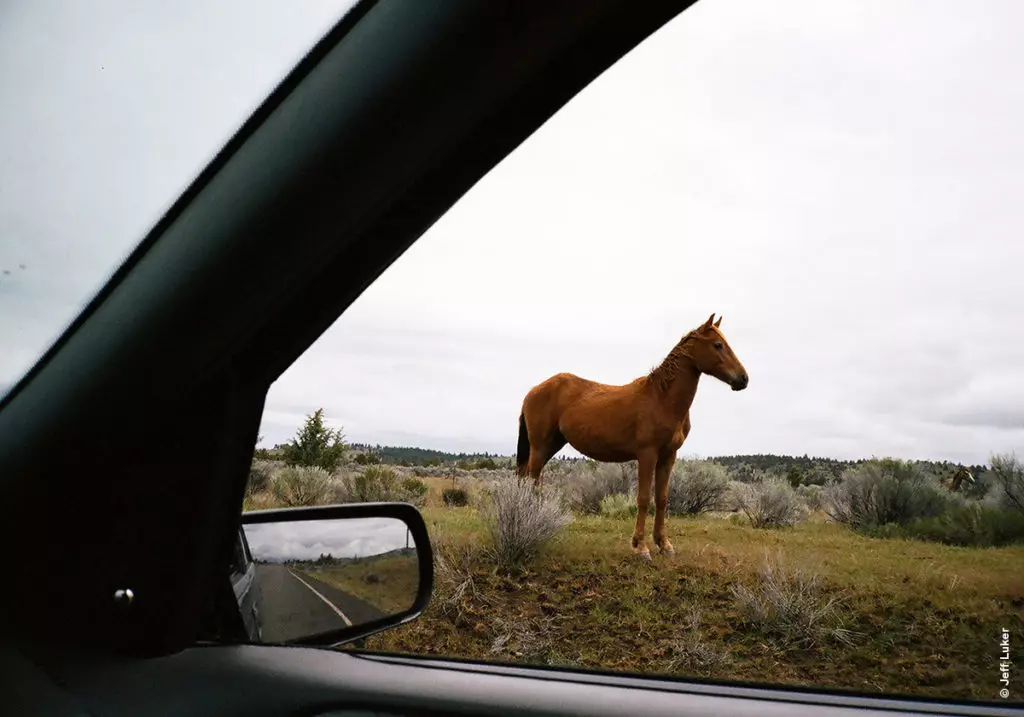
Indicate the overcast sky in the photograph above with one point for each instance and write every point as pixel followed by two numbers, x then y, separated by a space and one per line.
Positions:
pixel 307 540
pixel 842 181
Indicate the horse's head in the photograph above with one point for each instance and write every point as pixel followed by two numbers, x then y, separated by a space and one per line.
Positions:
pixel 714 356
pixel 964 476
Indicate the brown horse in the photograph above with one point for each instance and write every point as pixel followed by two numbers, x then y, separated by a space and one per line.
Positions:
pixel 956 482
pixel 646 420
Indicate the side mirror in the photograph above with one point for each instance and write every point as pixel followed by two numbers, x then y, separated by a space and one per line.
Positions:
pixel 330 575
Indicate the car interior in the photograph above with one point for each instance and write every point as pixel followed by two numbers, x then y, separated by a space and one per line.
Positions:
pixel 381 127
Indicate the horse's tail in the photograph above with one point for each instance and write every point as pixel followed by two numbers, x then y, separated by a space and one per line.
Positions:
pixel 523 450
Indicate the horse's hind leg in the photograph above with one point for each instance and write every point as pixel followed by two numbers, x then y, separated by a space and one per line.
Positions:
pixel 542 451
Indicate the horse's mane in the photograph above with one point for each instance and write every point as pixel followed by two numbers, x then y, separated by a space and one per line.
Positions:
pixel 664 373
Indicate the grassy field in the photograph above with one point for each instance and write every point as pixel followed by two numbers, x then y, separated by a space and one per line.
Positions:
pixel 389 583
pixel 892 616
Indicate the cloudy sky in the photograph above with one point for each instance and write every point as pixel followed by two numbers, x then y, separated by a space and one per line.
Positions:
pixel 842 181
pixel 307 540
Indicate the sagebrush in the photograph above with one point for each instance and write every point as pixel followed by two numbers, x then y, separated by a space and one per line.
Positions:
pixel 880 492
pixel 589 483
pixel 300 485
pixel 770 503
pixel 378 484
pixel 1008 476
pixel 696 487
pixel 520 518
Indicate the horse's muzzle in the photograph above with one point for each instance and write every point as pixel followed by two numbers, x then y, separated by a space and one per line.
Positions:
pixel 740 382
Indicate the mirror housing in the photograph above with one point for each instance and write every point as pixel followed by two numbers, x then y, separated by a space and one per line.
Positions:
pixel 247 583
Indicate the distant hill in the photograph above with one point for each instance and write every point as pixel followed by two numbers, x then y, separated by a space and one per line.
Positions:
pixel 814 469
pixel 328 559
pixel 409 455
pixel 804 469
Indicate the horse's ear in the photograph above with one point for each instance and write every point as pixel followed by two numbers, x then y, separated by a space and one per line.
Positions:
pixel 707 324
pixel 719 322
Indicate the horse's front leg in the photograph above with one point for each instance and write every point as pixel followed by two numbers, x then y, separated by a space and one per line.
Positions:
pixel 645 477
pixel 662 477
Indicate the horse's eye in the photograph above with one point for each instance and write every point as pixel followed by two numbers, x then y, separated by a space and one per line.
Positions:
pixel 718 345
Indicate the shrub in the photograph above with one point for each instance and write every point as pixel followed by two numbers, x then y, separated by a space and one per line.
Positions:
pixel 816 475
pixel 792 609
pixel 455 497
pixel 521 518
pixel 261 472
pixel 301 485
pixel 696 487
pixel 590 483
pixel 415 491
pixel 1008 481
pixel 771 503
pixel 316 445
pixel 618 505
pixel 374 484
pixel 813 495
pixel 879 492
pixel 378 484
pixel 965 523
pixel 731 496
pixel 794 476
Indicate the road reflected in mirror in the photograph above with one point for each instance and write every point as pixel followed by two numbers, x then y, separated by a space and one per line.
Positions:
pixel 315 576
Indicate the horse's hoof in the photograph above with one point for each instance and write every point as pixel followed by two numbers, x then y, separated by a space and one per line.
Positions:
pixel 645 556
pixel 668 550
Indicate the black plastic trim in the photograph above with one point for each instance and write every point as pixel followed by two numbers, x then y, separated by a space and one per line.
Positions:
pixel 833 697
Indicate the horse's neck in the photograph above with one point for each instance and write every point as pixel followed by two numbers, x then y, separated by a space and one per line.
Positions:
pixel 682 390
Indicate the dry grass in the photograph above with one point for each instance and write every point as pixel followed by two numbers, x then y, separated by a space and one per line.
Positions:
pixel 389 583
pixel 692 653
pixel 924 611
pixel 794 609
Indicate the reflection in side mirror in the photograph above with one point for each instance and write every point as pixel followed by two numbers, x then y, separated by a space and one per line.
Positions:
pixel 331 575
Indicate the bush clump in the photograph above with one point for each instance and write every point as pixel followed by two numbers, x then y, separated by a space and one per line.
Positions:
pixel 587 483
pixel 770 503
pixel 964 523
pixel 618 505
pixel 261 472
pixel 880 492
pixel 378 484
pixel 696 487
pixel 1008 482
pixel 813 495
pixel 300 485
pixel 455 497
pixel 520 518
pixel 415 491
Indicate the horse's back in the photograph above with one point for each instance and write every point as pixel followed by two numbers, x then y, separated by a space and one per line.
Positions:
pixel 567 384
pixel 563 390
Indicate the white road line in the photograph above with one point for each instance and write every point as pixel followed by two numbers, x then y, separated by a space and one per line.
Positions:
pixel 329 603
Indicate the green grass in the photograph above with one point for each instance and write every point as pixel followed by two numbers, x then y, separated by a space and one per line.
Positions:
pixel 925 612
pixel 388 583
